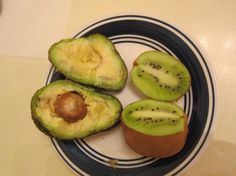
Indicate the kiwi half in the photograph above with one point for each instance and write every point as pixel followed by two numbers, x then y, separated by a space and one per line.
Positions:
pixel 154 128
pixel 160 76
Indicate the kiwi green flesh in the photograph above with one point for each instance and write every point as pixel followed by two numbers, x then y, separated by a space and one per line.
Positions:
pixel 153 117
pixel 160 76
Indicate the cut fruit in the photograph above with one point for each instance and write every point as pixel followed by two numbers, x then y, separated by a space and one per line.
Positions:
pixel 160 76
pixel 67 110
pixel 90 60
pixel 154 118
pixel 153 128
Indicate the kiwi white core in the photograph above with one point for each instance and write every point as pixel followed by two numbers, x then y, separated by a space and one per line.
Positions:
pixel 155 114
pixel 161 74
pixel 154 118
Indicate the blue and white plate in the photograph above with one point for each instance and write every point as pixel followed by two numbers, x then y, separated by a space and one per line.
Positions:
pixel 106 153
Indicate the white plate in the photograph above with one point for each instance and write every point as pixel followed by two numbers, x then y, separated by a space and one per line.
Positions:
pixel 132 35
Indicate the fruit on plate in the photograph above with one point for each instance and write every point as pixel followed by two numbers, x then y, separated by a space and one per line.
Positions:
pixel 154 128
pixel 68 110
pixel 91 60
pixel 160 76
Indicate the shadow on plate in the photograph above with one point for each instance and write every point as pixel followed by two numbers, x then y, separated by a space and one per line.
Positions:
pixel 1 7
pixel 219 159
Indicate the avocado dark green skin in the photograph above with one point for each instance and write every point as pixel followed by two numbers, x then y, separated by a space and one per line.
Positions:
pixel 39 125
pixel 35 120
pixel 46 132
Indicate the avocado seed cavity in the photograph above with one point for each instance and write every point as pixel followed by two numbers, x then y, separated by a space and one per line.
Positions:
pixel 70 106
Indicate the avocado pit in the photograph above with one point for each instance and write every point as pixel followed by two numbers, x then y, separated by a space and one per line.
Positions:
pixel 70 106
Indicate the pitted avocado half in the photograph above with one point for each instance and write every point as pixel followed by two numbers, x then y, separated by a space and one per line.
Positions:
pixel 68 110
pixel 91 60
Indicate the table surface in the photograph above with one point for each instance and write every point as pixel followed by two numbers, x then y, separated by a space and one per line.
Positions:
pixel 28 28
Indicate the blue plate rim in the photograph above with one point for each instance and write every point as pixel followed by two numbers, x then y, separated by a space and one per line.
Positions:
pixel 209 70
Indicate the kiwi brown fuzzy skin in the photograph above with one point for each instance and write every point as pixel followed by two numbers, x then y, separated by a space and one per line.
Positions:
pixel 155 146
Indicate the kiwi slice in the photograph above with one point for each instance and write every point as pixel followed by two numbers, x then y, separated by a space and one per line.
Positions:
pixel 154 128
pixel 154 118
pixel 160 76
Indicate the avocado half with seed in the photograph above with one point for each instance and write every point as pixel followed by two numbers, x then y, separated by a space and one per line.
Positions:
pixel 67 110
pixel 154 128
pixel 91 60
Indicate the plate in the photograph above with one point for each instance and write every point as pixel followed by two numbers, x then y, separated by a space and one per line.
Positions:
pixel 106 153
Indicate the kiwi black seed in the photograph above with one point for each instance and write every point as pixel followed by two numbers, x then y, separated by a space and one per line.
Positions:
pixel 158 119
pixel 160 76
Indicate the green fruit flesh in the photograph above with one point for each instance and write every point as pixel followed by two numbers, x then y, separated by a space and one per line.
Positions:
pixel 103 111
pixel 153 117
pixel 90 60
pixel 160 76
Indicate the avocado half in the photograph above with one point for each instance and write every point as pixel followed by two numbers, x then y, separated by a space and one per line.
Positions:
pixel 102 111
pixel 91 60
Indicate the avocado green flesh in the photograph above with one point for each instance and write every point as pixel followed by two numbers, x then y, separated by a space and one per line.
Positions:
pixel 160 76
pixel 103 111
pixel 90 60
pixel 153 117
